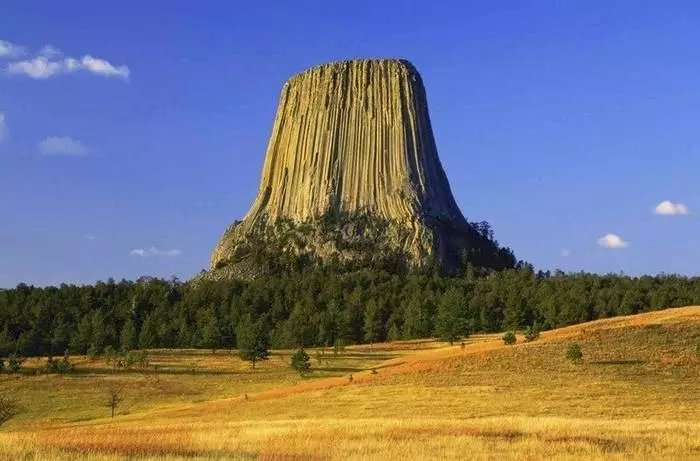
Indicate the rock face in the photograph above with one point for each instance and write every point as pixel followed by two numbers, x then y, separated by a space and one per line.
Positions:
pixel 353 138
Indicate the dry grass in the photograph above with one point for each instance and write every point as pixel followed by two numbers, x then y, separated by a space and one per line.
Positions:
pixel 635 396
pixel 381 439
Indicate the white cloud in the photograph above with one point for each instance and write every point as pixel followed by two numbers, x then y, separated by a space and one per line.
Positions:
pixel 153 251
pixel 43 67
pixel 4 132
pixel 565 253
pixel 50 51
pixel 669 208
pixel 10 50
pixel 62 146
pixel 50 62
pixel 102 67
pixel 612 241
pixel 37 68
pixel 89 237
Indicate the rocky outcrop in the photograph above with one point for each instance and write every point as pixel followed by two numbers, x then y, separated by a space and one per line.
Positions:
pixel 352 138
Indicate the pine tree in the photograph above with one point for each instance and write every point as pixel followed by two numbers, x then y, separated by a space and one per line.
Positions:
pixel 450 324
pixel 99 332
pixel 253 343
pixel 301 362
pixel 147 336
pixel 82 338
pixel 373 322
pixel 127 339
pixel 301 328
pixel 211 335
pixel 60 335
pixel 418 316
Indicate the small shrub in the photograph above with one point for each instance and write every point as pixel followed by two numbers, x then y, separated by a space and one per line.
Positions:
pixel 8 409
pixel 532 333
pixel 50 367
pixel 92 353
pixel 509 338
pixel 301 362
pixel 574 353
pixel 111 356
pixel 131 359
pixel 143 360
pixel 64 366
pixel 339 347
pixel 54 366
pixel 14 363
pixel 2 363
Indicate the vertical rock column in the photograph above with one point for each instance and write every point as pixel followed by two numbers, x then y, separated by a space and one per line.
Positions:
pixel 354 137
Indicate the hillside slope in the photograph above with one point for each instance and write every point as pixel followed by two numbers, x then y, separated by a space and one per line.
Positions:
pixel 635 395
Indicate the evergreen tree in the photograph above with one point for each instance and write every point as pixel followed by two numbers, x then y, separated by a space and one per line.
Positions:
pixel 301 362
pixel 98 338
pixel 147 336
pixel 373 322
pixel 60 336
pixel 127 338
pixel 252 340
pixel 301 328
pixel 450 323
pixel 81 340
pixel 416 320
pixel 330 325
pixel 211 335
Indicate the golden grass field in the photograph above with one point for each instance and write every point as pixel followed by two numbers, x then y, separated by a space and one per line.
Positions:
pixel 636 395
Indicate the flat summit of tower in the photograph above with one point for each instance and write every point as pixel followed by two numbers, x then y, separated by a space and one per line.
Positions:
pixel 343 63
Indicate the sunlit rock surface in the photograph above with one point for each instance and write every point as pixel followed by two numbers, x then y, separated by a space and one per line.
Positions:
pixel 353 138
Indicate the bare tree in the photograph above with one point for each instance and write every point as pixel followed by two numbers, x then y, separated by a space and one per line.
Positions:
pixel 8 409
pixel 115 396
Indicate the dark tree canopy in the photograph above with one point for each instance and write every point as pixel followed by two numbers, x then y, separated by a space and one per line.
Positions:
pixel 318 307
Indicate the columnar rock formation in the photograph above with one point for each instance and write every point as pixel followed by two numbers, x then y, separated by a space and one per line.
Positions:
pixel 353 138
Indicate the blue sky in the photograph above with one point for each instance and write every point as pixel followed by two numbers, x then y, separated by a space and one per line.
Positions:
pixel 131 126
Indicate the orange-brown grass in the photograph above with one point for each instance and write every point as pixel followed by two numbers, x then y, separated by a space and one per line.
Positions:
pixel 383 439
pixel 635 395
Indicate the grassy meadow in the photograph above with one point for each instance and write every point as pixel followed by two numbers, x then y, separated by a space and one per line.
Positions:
pixel 635 395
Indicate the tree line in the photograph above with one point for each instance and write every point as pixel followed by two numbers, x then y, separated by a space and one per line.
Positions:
pixel 318 308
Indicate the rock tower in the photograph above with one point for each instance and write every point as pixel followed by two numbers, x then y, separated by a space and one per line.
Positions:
pixel 351 167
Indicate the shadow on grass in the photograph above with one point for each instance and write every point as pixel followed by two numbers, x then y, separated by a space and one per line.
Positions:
pixel 92 372
pixel 340 369
pixel 618 362
pixel 360 356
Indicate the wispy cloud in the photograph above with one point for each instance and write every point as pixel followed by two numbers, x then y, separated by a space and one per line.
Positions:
pixel 50 62
pixel 104 68
pixel 10 50
pixel 62 146
pixel 42 67
pixel 668 208
pixel 4 132
pixel 565 253
pixel 50 51
pixel 153 251
pixel 612 241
